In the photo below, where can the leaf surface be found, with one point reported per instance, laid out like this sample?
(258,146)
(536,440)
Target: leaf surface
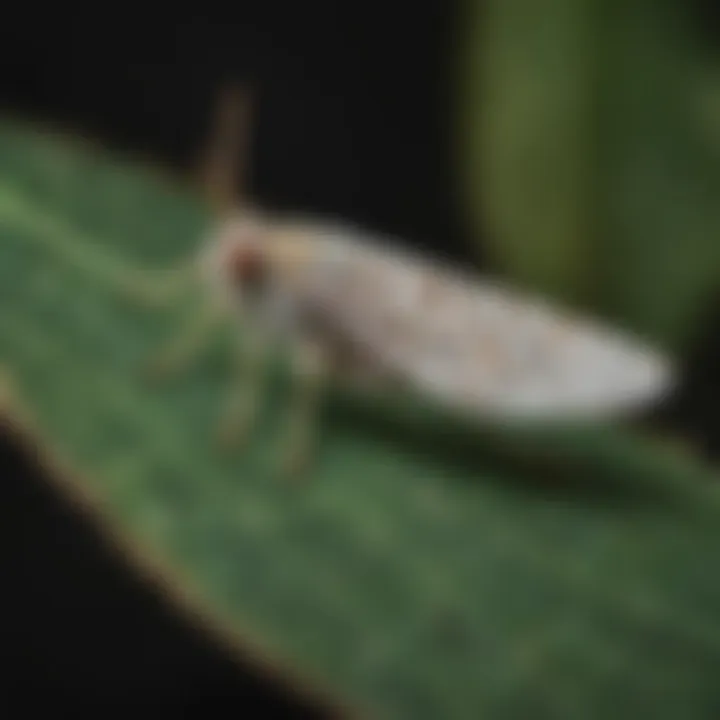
(425,569)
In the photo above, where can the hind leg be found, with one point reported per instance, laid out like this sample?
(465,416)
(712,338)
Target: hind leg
(246,391)
(310,371)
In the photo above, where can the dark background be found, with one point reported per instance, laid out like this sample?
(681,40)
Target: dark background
(353,118)
(352,100)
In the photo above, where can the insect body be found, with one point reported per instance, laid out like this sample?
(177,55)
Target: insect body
(371,309)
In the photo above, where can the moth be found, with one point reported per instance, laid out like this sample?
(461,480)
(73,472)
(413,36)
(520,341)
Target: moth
(345,301)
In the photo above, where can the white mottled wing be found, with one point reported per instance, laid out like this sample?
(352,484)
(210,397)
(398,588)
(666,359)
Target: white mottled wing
(471,342)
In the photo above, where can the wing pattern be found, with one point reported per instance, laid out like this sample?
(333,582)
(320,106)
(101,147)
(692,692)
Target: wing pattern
(473,342)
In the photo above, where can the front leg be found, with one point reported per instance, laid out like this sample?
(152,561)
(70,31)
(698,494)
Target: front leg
(157,289)
(183,349)
(310,368)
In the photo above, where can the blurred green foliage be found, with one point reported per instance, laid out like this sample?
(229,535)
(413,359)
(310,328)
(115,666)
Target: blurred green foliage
(589,156)
(424,569)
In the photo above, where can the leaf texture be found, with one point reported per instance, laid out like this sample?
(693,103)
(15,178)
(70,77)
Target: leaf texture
(424,569)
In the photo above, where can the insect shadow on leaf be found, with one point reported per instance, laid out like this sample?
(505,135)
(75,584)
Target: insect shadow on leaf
(549,465)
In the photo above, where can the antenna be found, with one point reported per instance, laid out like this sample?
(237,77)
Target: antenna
(224,163)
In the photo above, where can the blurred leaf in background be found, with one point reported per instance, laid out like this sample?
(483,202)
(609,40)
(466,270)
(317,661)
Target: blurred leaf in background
(586,155)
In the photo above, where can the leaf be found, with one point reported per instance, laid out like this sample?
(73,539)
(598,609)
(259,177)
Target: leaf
(426,568)
(585,160)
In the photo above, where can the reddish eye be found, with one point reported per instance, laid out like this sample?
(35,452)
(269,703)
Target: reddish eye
(248,268)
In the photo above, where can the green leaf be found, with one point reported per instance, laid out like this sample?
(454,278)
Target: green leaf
(587,166)
(425,568)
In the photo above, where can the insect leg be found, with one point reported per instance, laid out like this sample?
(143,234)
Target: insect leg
(157,289)
(310,369)
(246,392)
(180,353)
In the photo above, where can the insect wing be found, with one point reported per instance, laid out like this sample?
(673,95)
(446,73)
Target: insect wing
(476,344)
